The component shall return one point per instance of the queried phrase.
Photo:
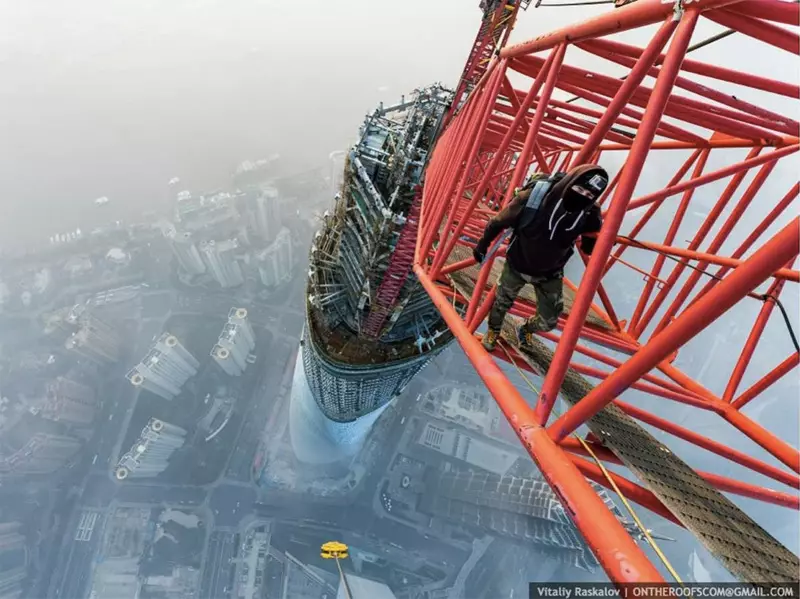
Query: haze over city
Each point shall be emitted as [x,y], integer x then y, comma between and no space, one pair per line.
[198,384]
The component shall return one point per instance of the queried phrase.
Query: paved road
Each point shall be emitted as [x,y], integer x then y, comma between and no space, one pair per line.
[99,490]
[72,577]
[231,503]
[362,522]
[218,571]
[156,494]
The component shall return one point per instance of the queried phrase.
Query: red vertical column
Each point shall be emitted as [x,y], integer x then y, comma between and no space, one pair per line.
[605,241]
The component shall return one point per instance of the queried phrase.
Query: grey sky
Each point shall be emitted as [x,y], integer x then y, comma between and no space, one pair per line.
[113,98]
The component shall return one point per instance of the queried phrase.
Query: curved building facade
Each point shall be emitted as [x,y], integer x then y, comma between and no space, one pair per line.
[370,326]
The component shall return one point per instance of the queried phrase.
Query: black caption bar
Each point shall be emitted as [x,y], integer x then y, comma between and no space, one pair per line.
[700,590]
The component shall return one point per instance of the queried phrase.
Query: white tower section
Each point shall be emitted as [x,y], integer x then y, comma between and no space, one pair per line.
[232,339]
[238,316]
[93,338]
[157,385]
[150,455]
[275,263]
[220,258]
[267,213]
[170,346]
[235,343]
[167,366]
[222,356]
[185,251]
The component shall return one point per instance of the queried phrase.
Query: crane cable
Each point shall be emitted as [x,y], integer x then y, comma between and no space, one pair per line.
[692,48]
[644,531]
[764,297]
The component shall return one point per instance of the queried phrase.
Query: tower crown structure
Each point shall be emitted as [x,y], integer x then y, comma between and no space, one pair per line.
[370,325]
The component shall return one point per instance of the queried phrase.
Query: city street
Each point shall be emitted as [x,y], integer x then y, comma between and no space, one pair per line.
[72,577]
[218,571]
[160,495]
[359,521]
[231,503]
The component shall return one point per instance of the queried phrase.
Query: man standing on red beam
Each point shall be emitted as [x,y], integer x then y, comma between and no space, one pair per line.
[545,218]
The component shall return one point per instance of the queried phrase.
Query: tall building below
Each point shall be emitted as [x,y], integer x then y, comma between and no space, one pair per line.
[235,343]
[468,448]
[370,326]
[275,262]
[238,316]
[40,453]
[525,510]
[151,452]
[68,401]
[359,587]
[185,250]
[93,338]
[13,560]
[167,366]
[221,260]
[267,213]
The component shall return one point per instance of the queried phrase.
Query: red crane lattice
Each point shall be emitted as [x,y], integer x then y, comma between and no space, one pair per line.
[400,264]
[534,127]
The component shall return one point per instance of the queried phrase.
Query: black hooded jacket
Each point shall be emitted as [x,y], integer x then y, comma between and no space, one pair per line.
[544,246]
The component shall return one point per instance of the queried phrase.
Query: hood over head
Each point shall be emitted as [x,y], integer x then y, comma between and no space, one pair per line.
[574,194]
[581,187]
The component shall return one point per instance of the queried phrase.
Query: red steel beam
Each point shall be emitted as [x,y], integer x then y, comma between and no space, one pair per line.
[764,383]
[475,135]
[647,499]
[754,235]
[631,16]
[752,340]
[782,274]
[651,210]
[727,171]
[758,29]
[628,488]
[737,108]
[775,253]
[733,455]
[617,209]
[618,554]
[668,240]
[780,12]
[626,91]
[732,220]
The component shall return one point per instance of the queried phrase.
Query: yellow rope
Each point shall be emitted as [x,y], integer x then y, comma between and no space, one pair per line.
[650,540]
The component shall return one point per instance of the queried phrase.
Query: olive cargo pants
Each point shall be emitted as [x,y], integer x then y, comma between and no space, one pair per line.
[549,300]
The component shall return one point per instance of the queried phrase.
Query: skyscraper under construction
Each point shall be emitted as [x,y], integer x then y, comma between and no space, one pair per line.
[370,327]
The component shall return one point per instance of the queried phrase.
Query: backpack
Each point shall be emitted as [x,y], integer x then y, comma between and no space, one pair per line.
[539,184]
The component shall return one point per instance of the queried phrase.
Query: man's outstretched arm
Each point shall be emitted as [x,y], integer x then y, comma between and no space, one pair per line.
[504,219]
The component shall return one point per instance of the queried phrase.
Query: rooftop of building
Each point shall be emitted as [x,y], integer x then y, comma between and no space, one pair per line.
[341,344]
[364,588]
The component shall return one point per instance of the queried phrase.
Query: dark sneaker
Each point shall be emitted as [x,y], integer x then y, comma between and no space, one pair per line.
[489,340]
[525,337]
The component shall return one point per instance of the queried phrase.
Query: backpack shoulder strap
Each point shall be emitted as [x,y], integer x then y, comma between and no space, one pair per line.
[540,187]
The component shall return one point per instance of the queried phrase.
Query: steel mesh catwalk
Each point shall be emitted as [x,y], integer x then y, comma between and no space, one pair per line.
[747,550]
